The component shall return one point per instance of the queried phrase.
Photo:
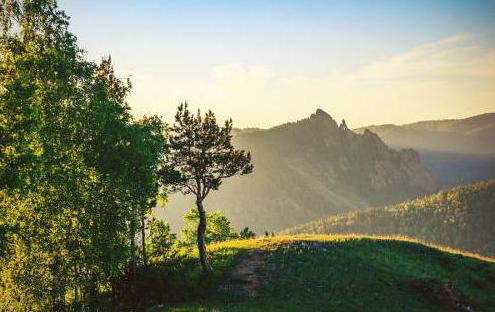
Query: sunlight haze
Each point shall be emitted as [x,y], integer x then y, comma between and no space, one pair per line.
[255,155]
[368,62]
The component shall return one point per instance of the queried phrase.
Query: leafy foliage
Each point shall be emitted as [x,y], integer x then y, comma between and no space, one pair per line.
[76,170]
[218,228]
[246,233]
[161,242]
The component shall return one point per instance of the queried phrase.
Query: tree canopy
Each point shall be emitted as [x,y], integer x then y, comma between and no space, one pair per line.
[76,170]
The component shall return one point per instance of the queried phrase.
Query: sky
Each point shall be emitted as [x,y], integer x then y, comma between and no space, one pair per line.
[263,63]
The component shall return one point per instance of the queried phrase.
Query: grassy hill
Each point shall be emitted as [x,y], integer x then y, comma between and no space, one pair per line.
[460,218]
[343,273]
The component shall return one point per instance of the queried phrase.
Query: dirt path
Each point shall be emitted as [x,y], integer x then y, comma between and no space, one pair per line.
[246,278]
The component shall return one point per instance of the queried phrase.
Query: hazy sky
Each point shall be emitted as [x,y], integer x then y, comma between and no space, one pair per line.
[267,62]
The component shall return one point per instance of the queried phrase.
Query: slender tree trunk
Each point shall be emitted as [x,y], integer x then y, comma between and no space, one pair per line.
[91,291]
[76,287]
[133,253]
[143,238]
[76,295]
[113,286]
[57,284]
[201,238]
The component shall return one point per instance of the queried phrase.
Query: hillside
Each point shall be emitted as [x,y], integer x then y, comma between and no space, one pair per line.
[460,218]
[309,169]
[456,151]
[342,273]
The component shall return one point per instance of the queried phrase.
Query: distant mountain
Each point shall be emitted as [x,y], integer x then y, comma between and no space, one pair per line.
[473,135]
[453,169]
[309,169]
[460,218]
[456,151]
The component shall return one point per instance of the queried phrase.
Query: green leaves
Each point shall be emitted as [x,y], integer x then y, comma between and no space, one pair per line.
[161,242]
[218,228]
[76,170]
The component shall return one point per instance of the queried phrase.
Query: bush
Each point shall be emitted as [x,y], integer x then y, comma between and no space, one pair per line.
[218,228]
[246,233]
[161,242]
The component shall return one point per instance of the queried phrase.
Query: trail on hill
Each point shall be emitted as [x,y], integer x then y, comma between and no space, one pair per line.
[245,278]
[443,294]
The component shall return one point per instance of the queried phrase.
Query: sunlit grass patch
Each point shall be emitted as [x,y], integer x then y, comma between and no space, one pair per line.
[273,242]
[348,273]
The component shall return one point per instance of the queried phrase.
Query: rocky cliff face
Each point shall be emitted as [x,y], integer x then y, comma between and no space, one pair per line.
[456,151]
[313,168]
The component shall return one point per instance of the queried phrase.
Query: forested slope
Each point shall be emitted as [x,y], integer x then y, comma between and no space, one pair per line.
[460,218]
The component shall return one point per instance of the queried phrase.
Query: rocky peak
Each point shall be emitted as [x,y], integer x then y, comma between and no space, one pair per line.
[320,112]
[343,125]
[322,116]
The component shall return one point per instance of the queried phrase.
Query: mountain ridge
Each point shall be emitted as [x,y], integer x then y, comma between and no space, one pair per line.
[311,168]
[455,151]
[465,136]
[429,121]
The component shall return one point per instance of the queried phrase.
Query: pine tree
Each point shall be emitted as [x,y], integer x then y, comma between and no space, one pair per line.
[200,156]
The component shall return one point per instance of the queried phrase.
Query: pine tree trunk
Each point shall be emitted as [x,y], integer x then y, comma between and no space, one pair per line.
[201,238]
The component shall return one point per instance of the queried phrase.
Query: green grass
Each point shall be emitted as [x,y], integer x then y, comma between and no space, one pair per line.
[347,273]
